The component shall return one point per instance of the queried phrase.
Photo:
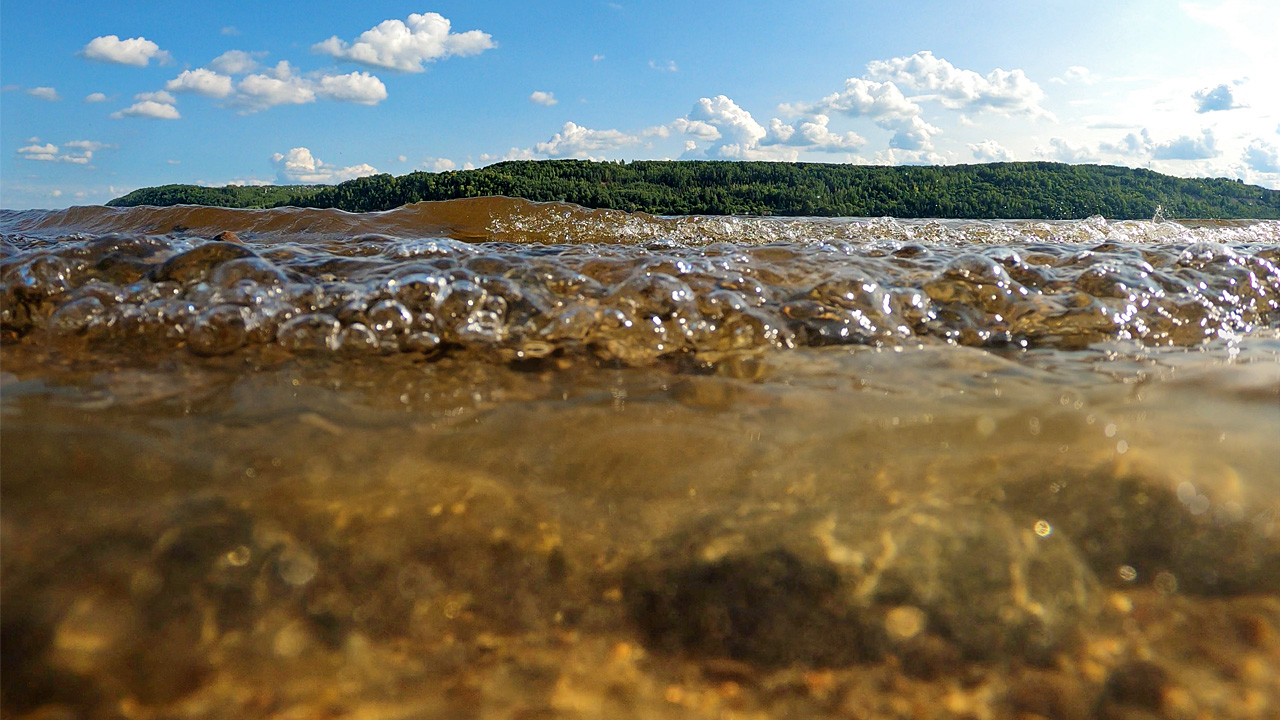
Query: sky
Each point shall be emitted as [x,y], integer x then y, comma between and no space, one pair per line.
[101,98]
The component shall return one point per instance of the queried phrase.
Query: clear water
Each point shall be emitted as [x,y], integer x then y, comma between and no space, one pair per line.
[489,458]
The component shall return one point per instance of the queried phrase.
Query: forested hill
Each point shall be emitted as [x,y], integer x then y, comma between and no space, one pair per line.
[997,190]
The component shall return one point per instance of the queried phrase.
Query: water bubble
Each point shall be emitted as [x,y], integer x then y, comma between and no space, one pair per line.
[389,316]
[1043,528]
[358,339]
[313,332]
[217,331]
[77,316]
[1127,573]
[458,300]
[296,566]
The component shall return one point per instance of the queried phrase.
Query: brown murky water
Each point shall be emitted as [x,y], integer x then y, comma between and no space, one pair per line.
[495,459]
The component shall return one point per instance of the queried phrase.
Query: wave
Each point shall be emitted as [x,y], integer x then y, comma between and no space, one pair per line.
[501,219]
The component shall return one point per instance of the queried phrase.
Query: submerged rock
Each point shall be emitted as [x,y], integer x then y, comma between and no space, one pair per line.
[1138,530]
[778,587]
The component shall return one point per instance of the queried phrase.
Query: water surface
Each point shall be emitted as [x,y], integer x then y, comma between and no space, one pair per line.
[491,458]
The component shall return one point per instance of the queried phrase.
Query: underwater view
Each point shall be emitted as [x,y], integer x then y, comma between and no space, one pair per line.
[500,459]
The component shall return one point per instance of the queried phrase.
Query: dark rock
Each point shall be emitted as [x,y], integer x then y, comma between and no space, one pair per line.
[779,587]
[197,263]
[1139,683]
[1141,523]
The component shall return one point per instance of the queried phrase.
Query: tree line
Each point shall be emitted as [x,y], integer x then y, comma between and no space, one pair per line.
[1032,190]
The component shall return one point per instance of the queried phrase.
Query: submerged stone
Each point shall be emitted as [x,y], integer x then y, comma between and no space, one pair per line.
[825,588]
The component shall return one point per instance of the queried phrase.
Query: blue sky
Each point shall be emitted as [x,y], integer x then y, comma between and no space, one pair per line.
[102,98]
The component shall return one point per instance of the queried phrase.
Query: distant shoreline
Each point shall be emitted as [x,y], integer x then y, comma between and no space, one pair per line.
[1019,190]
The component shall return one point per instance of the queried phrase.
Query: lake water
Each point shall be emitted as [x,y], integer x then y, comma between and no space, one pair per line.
[491,458]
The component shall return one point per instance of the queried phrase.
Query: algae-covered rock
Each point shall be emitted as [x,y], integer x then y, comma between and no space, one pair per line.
[827,588]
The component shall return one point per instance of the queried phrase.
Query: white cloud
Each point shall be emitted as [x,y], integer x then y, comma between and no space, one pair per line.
[1188,147]
[668,66]
[44,93]
[1065,151]
[230,30]
[597,58]
[201,81]
[1262,156]
[812,134]
[236,62]
[150,109]
[281,86]
[576,141]
[48,152]
[543,98]
[406,46]
[880,101]
[137,51]
[883,103]
[159,96]
[1076,74]
[95,97]
[439,164]
[1216,98]
[300,166]
[259,92]
[1007,92]
[87,145]
[357,87]
[735,125]
[695,128]
[991,151]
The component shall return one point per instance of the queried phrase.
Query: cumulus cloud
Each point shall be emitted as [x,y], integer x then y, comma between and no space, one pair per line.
[300,166]
[137,51]
[1188,147]
[201,81]
[405,46]
[236,62]
[1068,152]
[159,96]
[1262,156]
[812,134]
[1003,91]
[95,97]
[543,98]
[699,129]
[44,93]
[46,152]
[668,66]
[573,140]
[259,92]
[357,87]
[881,101]
[1133,144]
[439,164]
[1217,98]
[990,151]
[914,134]
[149,109]
[76,152]
[734,133]
[738,130]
